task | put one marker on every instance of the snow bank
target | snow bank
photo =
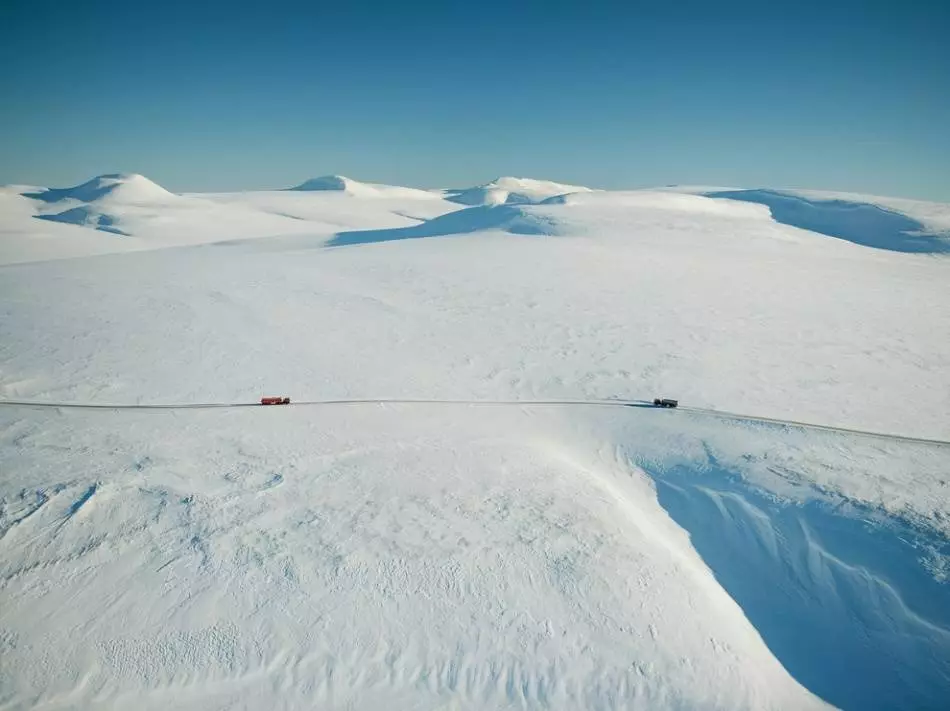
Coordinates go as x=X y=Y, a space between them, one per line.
x=830 y=543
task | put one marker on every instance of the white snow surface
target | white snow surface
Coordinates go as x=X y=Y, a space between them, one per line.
x=469 y=556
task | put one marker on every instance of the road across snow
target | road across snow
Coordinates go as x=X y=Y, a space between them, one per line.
x=466 y=556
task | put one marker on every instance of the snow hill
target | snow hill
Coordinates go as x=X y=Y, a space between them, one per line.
x=102 y=203
x=458 y=551
x=511 y=191
x=116 y=188
x=339 y=183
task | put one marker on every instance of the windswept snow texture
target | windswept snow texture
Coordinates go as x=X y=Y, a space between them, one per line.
x=466 y=556
x=858 y=222
x=838 y=595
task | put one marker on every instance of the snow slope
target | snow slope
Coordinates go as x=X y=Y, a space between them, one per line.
x=470 y=556
x=376 y=558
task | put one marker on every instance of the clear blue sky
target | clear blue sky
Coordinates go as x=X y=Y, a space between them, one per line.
x=221 y=96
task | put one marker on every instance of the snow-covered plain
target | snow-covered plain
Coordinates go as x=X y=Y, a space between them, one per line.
x=469 y=556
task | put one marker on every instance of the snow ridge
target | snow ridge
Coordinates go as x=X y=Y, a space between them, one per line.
x=512 y=191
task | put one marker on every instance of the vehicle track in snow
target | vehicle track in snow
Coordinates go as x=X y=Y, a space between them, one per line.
x=721 y=414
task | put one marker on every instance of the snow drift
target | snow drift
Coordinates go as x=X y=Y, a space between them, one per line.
x=859 y=222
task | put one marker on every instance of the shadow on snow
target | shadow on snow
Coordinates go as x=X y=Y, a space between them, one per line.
x=844 y=597
x=857 y=222
x=510 y=218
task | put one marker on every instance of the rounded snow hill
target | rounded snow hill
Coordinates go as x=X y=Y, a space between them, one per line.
x=348 y=186
x=512 y=191
x=119 y=187
x=102 y=203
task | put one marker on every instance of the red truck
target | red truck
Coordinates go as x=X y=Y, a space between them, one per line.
x=275 y=401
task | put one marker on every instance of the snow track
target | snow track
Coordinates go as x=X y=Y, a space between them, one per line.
x=722 y=414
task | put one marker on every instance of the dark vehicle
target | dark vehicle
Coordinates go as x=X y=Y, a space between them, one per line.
x=665 y=402
x=275 y=401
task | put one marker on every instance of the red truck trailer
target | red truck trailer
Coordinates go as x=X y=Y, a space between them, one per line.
x=275 y=401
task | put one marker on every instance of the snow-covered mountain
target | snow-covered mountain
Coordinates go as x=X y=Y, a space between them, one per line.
x=103 y=202
x=470 y=549
x=112 y=188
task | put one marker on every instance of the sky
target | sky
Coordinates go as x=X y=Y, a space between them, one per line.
x=215 y=96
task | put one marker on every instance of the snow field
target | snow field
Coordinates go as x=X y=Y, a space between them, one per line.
x=454 y=556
